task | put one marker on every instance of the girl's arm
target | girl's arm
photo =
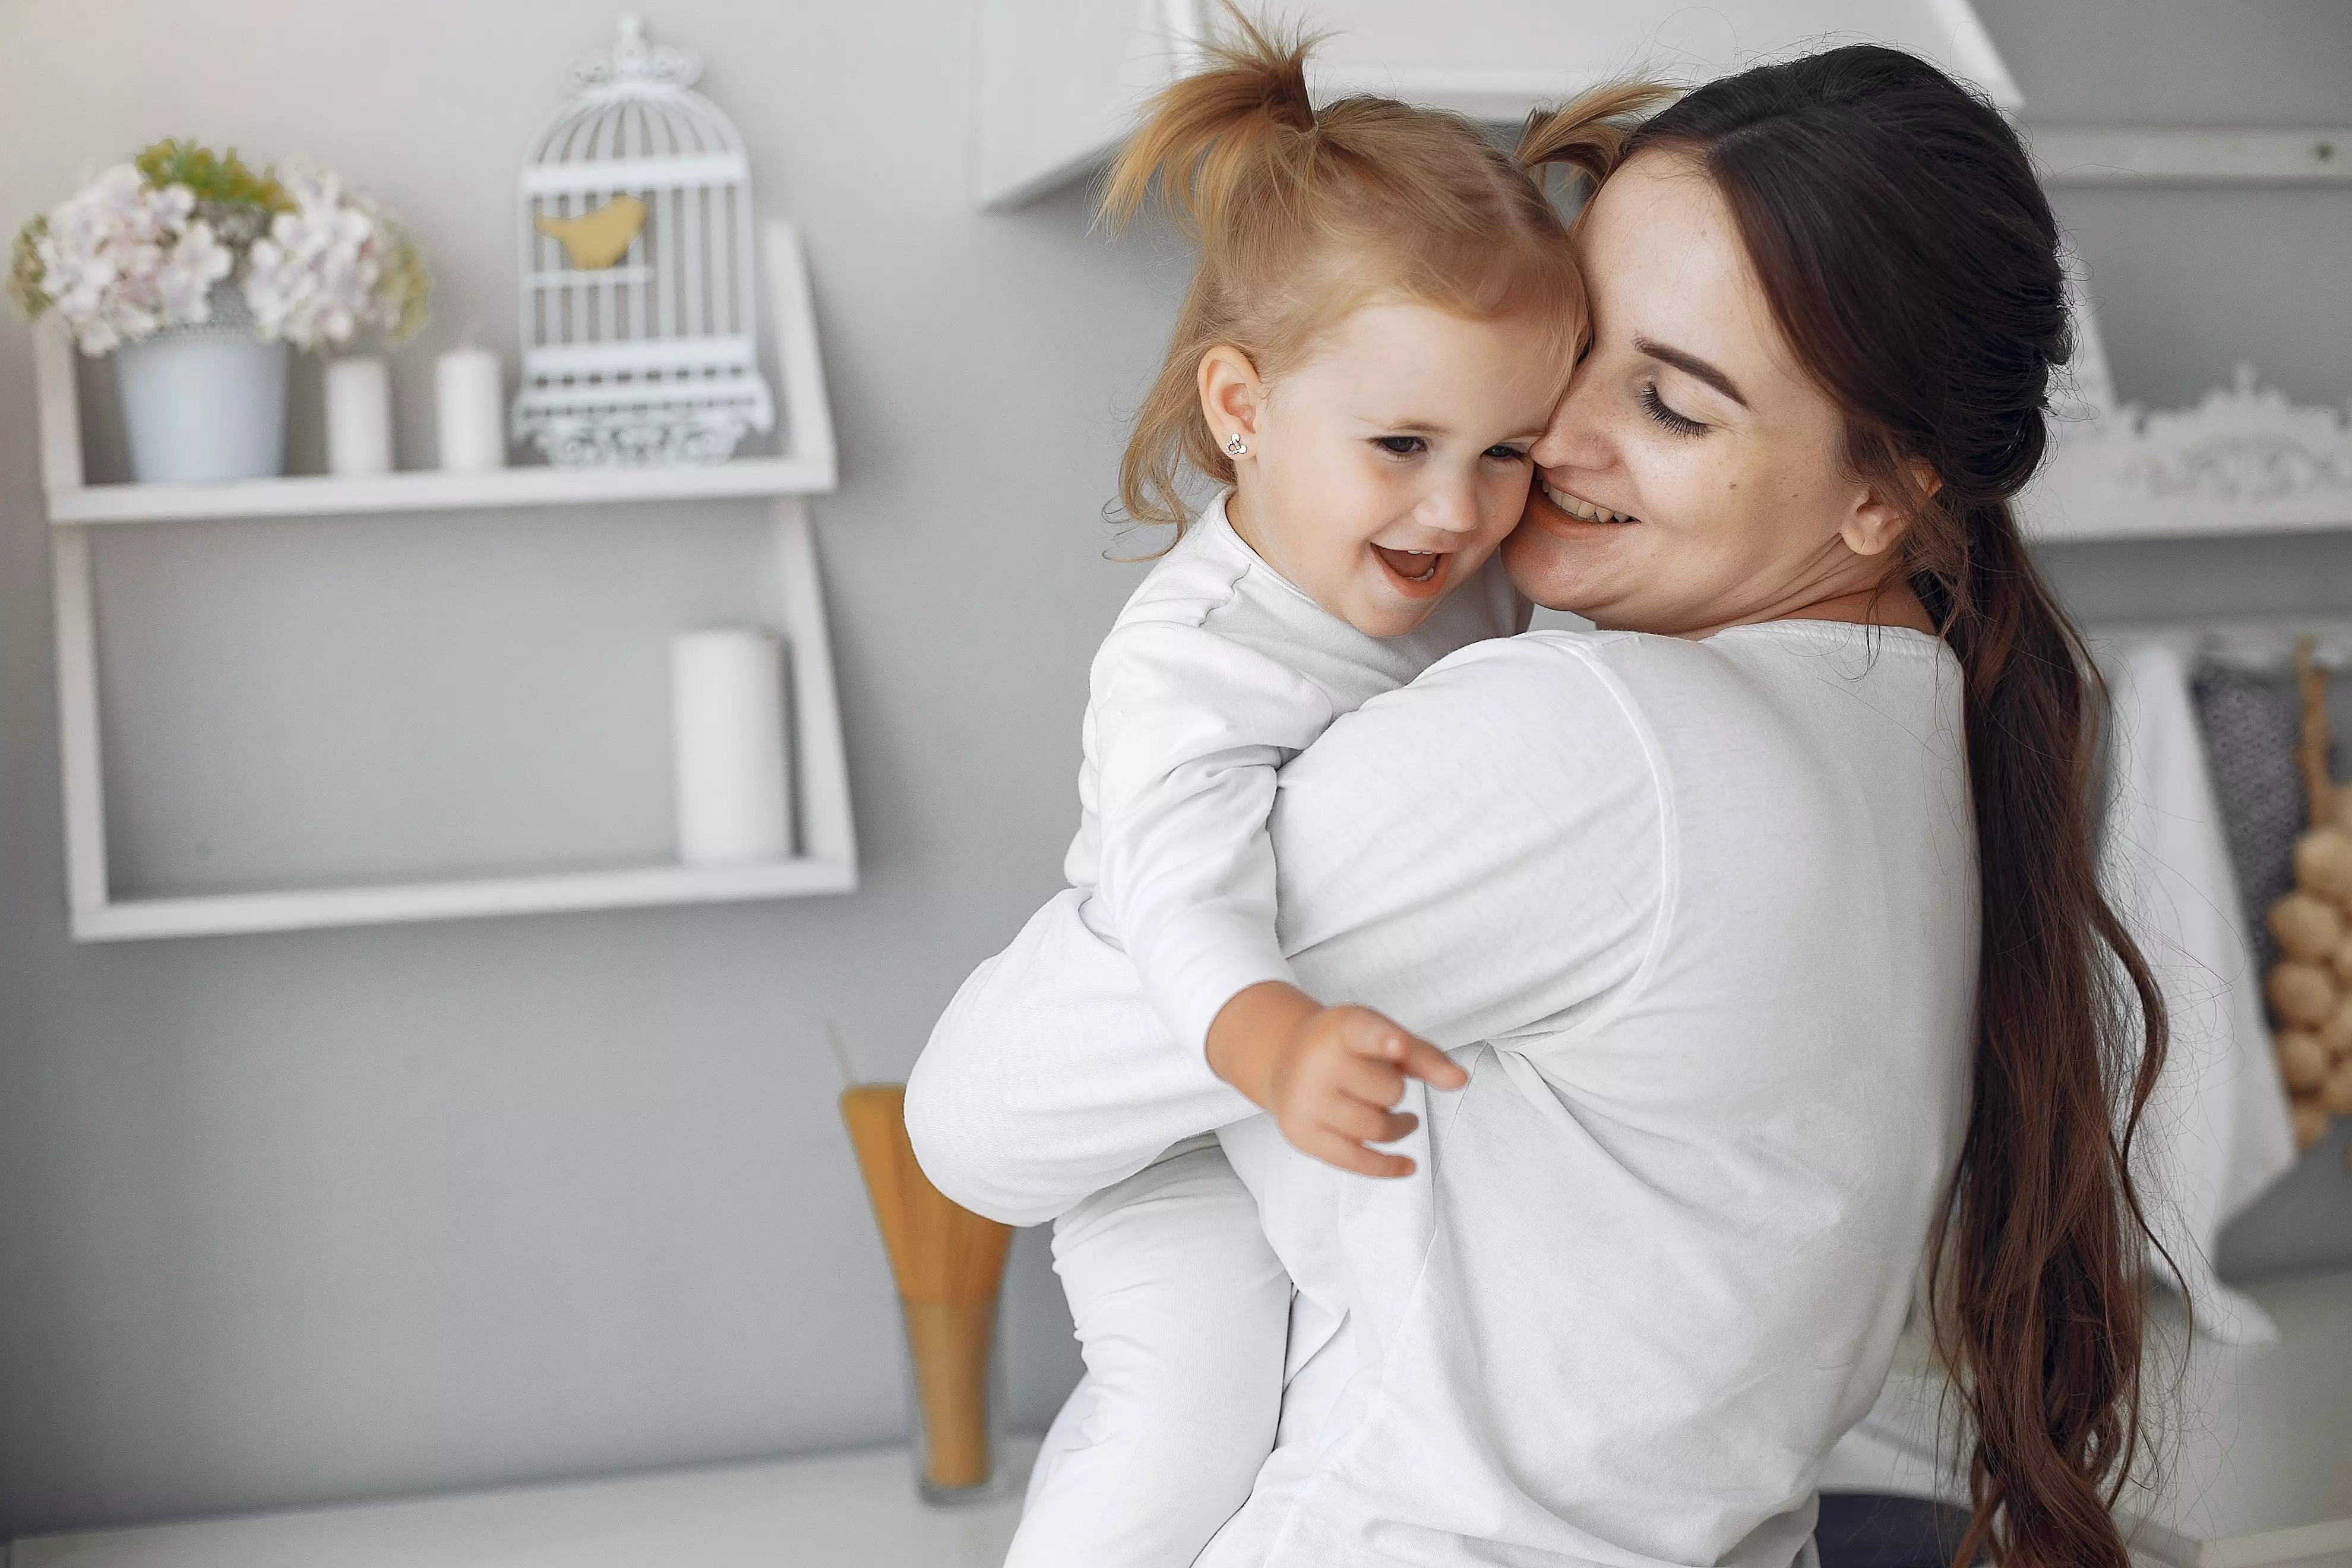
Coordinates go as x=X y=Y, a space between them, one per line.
x=1477 y=855
x=1190 y=727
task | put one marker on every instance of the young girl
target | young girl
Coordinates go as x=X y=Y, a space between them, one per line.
x=1384 y=313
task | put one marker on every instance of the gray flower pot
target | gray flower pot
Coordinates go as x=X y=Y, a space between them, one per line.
x=206 y=401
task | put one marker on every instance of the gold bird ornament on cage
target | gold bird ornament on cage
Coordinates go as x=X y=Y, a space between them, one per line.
x=2310 y=988
x=595 y=240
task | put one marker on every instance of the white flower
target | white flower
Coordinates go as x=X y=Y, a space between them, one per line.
x=314 y=279
x=121 y=262
x=185 y=282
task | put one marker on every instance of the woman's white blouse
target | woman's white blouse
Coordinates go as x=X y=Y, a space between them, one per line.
x=1700 y=919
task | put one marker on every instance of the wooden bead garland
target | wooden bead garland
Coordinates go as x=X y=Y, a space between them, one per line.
x=2310 y=988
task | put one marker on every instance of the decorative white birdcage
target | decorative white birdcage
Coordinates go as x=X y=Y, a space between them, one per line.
x=637 y=331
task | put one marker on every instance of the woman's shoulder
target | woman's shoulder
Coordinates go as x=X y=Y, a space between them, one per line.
x=1499 y=718
x=1756 y=667
x=1754 y=707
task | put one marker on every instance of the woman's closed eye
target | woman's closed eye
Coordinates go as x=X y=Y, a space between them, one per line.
x=1656 y=407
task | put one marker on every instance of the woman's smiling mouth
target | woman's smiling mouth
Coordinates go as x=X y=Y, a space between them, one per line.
x=1581 y=510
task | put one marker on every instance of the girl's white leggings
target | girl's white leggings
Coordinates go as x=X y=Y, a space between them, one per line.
x=1182 y=1313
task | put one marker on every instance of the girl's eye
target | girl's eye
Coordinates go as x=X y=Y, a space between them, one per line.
x=1401 y=446
x=1504 y=452
x=1680 y=423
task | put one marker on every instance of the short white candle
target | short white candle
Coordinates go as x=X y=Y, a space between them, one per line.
x=359 y=416
x=470 y=411
x=734 y=792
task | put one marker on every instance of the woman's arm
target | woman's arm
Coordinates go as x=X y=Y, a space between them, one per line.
x=1476 y=856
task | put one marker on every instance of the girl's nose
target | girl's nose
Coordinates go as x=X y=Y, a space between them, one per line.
x=1451 y=508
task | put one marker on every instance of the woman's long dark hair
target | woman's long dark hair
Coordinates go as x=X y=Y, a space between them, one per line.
x=1911 y=261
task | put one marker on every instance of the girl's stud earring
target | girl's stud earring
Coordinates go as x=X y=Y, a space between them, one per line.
x=1234 y=445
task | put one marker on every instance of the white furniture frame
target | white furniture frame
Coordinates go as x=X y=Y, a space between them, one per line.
x=827 y=860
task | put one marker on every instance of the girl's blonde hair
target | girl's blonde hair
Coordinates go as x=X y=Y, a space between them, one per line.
x=1304 y=214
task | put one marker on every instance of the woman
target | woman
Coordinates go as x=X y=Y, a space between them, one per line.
x=1762 y=919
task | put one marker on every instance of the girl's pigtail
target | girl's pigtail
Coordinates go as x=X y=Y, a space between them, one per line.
x=1238 y=132
x=1588 y=134
x=1236 y=126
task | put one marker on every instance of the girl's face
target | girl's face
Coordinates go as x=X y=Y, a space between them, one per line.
x=1694 y=477
x=1385 y=471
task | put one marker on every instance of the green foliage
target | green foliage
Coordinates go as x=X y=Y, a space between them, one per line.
x=405 y=287
x=215 y=179
x=25 y=268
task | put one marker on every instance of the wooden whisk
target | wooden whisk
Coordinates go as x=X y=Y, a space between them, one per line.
x=947 y=1262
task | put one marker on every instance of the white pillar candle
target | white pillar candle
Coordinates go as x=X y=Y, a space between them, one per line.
x=470 y=412
x=734 y=795
x=359 y=416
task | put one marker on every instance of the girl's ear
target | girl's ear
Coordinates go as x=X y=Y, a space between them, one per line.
x=1878 y=519
x=1231 y=396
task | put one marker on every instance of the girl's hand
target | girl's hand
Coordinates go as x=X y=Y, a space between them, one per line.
x=1329 y=1075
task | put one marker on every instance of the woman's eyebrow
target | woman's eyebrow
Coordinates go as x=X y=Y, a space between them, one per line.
x=1691 y=364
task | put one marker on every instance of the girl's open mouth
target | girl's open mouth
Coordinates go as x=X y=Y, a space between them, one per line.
x=1416 y=573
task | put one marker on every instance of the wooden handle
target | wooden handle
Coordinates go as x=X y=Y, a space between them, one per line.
x=939 y=1250
x=949 y=1263
x=949 y=1343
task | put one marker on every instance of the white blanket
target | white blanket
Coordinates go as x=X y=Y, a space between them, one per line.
x=2217 y=1132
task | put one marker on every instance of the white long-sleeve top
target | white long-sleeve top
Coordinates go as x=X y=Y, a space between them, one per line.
x=1216 y=673
x=1700 y=920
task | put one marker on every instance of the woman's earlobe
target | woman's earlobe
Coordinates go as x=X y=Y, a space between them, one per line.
x=1875 y=526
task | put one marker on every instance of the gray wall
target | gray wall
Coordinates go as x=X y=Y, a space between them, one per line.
x=333 y=1215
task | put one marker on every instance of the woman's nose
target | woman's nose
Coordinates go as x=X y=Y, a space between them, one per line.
x=1573 y=439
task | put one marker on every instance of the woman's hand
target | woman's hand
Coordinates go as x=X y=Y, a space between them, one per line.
x=1329 y=1075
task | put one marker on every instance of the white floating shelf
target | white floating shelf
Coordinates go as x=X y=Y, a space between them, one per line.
x=298 y=909
x=321 y=495
x=2192 y=156
x=827 y=860
x=1060 y=80
x=806 y=466
x=2244 y=460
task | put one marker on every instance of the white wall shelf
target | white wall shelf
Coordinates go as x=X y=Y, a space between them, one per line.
x=324 y=495
x=2244 y=460
x=2192 y=154
x=827 y=860
x=1060 y=80
x=632 y=887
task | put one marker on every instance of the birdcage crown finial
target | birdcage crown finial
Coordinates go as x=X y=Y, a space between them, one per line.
x=631 y=65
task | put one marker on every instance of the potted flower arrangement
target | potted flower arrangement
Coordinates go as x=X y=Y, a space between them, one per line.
x=195 y=272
